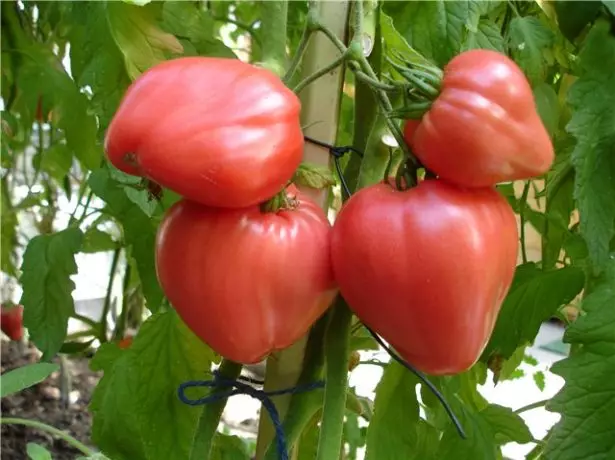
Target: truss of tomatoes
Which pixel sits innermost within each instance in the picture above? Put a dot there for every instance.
(427, 268)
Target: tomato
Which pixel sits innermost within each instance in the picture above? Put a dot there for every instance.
(11, 321)
(484, 127)
(217, 131)
(247, 282)
(427, 268)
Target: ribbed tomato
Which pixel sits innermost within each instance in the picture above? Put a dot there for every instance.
(247, 282)
(483, 128)
(214, 130)
(427, 268)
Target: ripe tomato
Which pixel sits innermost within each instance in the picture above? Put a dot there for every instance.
(217, 131)
(246, 282)
(427, 268)
(11, 321)
(484, 127)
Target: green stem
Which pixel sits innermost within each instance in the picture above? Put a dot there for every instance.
(303, 43)
(274, 18)
(49, 429)
(120, 327)
(532, 406)
(107, 304)
(376, 84)
(89, 321)
(522, 205)
(337, 344)
(332, 38)
(315, 76)
(240, 25)
(210, 417)
(85, 208)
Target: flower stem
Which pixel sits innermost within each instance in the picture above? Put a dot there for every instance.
(315, 76)
(50, 429)
(305, 39)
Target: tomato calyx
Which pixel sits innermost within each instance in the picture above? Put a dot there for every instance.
(281, 201)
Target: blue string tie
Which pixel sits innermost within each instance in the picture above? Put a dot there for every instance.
(241, 386)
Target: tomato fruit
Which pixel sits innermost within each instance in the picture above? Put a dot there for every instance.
(217, 131)
(427, 268)
(483, 128)
(11, 321)
(247, 282)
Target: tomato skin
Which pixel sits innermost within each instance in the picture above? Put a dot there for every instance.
(427, 268)
(217, 131)
(246, 282)
(11, 322)
(484, 127)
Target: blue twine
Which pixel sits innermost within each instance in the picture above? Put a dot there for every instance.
(236, 387)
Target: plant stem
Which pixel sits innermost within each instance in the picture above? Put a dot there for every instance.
(376, 84)
(107, 304)
(120, 326)
(52, 430)
(305, 39)
(315, 76)
(86, 320)
(532, 406)
(210, 417)
(274, 17)
(337, 344)
(522, 205)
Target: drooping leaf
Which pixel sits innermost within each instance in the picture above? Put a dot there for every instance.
(534, 297)
(139, 232)
(37, 452)
(24, 377)
(137, 396)
(539, 380)
(507, 426)
(48, 263)
(392, 433)
(587, 400)
(57, 161)
(592, 98)
(96, 240)
(528, 37)
(139, 38)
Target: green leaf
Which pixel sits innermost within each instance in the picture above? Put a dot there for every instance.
(43, 74)
(48, 263)
(8, 235)
(137, 396)
(37, 452)
(436, 28)
(587, 400)
(96, 240)
(486, 35)
(314, 176)
(528, 37)
(308, 442)
(610, 5)
(547, 104)
(394, 41)
(480, 442)
(195, 28)
(226, 447)
(534, 297)
(57, 161)
(392, 432)
(573, 16)
(507, 426)
(138, 37)
(539, 380)
(24, 377)
(139, 232)
(592, 98)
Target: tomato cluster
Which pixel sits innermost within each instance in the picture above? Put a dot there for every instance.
(226, 136)
(426, 267)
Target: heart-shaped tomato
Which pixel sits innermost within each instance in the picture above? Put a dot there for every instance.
(247, 282)
(427, 268)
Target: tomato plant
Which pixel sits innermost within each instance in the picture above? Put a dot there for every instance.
(483, 128)
(427, 268)
(218, 131)
(232, 275)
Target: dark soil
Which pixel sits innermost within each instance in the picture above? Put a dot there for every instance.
(43, 403)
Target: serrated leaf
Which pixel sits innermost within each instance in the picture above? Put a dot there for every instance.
(48, 263)
(486, 35)
(528, 37)
(592, 98)
(37, 452)
(57, 161)
(587, 400)
(547, 105)
(313, 176)
(96, 240)
(196, 27)
(436, 28)
(507, 426)
(137, 396)
(394, 41)
(539, 380)
(139, 232)
(138, 37)
(392, 432)
(534, 297)
(24, 377)
(480, 442)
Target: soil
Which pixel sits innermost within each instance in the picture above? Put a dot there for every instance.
(43, 403)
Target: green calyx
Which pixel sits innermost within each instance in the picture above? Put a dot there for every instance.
(280, 202)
